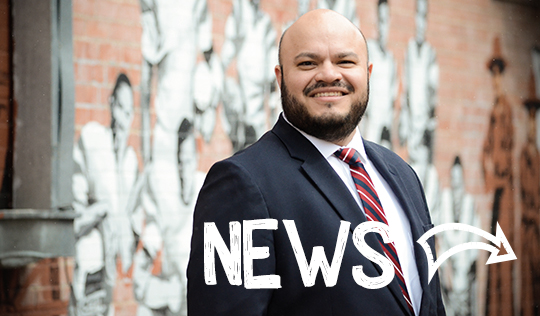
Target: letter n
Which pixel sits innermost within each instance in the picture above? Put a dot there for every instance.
(231, 260)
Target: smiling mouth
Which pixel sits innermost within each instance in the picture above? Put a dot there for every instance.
(328, 94)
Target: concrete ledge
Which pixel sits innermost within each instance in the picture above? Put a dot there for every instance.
(29, 235)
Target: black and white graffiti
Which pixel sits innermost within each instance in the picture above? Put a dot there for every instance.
(417, 121)
(383, 83)
(104, 183)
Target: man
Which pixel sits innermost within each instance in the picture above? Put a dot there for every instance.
(377, 123)
(106, 170)
(292, 173)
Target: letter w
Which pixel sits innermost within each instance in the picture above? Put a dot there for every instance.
(318, 257)
(231, 260)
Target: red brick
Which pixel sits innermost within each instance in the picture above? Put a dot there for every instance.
(90, 73)
(109, 53)
(132, 55)
(87, 93)
(85, 49)
(109, 10)
(84, 7)
(97, 29)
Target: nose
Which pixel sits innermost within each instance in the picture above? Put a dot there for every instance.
(328, 72)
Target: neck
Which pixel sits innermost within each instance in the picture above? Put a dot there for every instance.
(345, 141)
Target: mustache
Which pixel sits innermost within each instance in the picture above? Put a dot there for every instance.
(322, 84)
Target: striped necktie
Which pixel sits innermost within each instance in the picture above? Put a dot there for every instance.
(373, 210)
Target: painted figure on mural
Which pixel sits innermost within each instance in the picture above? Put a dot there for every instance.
(458, 273)
(535, 52)
(498, 178)
(417, 121)
(157, 284)
(347, 8)
(377, 121)
(158, 278)
(250, 40)
(529, 167)
(176, 34)
(104, 186)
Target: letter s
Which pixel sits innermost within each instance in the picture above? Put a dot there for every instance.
(386, 265)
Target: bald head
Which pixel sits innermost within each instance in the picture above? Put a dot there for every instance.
(323, 75)
(320, 23)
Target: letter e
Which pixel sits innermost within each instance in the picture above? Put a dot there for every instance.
(271, 281)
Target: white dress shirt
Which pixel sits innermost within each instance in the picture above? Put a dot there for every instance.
(400, 228)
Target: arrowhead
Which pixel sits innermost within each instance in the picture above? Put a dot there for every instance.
(501, 239)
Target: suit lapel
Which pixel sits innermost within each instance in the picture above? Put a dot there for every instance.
(321, 174)
(331, 186)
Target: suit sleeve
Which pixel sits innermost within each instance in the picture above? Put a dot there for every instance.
(228, 194)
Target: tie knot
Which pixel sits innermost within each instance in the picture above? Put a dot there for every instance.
(350, 156)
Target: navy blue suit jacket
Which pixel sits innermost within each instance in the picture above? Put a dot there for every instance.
(283, 176)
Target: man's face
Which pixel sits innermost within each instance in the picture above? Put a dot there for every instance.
(324, 75)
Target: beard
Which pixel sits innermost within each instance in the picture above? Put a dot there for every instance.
(331, 127)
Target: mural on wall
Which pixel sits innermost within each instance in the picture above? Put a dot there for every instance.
(177, 50)
(104, 184)
(417, 121)
(377, 121)
(136, 213)
(529, 171)
(302, 6)
(535, 52)
(498, 178)
(458, 273)
(347, 8)
(250, 40)
(154, 208)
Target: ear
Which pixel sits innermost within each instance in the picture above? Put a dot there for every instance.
(370, 67)
(277, 71)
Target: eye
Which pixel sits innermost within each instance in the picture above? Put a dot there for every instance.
(346, 62)
(307, 63)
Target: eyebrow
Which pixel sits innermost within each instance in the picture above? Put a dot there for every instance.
(315, 56)
(347, 54)
(308, 55)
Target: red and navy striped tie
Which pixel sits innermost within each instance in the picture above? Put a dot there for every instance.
(373, 209)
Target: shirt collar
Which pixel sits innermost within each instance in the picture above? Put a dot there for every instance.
(327, 149)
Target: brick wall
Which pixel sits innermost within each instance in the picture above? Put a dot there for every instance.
(107, 41)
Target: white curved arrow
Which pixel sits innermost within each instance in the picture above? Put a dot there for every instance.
(498, 239)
